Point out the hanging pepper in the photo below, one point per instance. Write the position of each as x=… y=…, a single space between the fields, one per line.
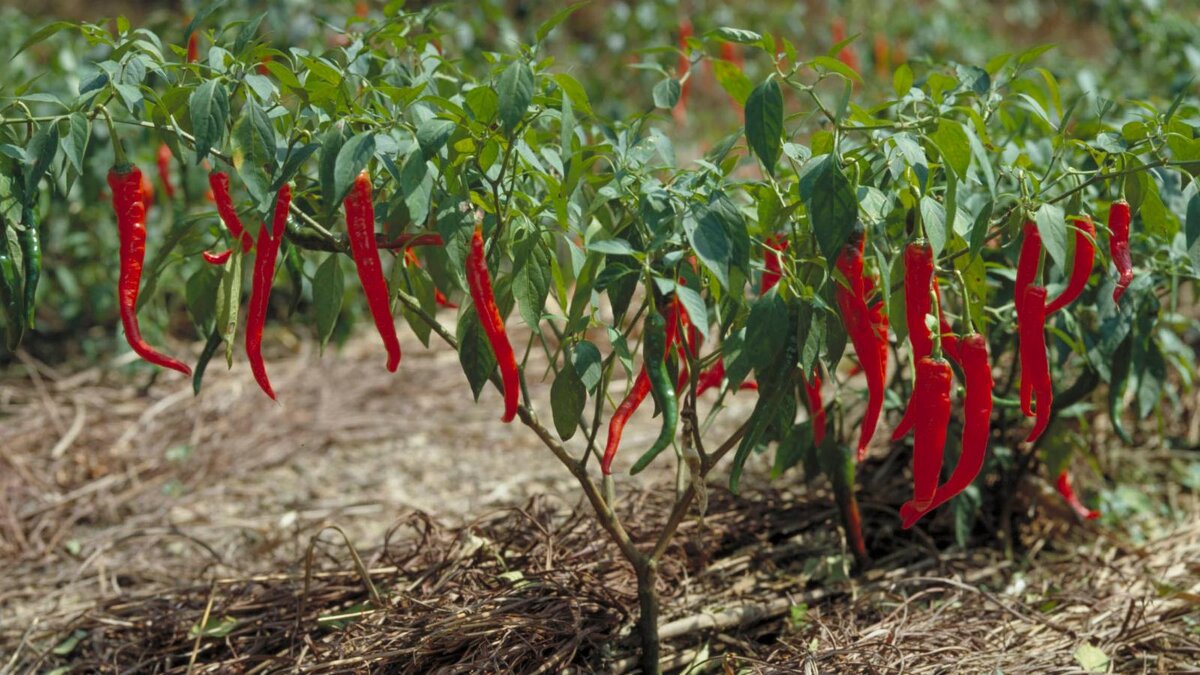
x=816 y=410
x=218 y=182
x=864 y=335
x=480 y=284
x=714 y=375
x=654 y=361
x=164 y=170
x=637 y=394
x=31 y=258
x=10 y=291
x=773 y=269
x=1068 y=493
x=1119 y=218
x=1081 y=268
x=1036 y=387
x=918 y=280
x=360 y=222
x=931 y=395
x=269 y=241
x=193 y=47
x=977 y=414
x=125 y=182
x=217 y=259
x=1027 y=263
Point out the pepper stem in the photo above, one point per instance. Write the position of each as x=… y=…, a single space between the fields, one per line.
x=966 y=298
x=118 y=150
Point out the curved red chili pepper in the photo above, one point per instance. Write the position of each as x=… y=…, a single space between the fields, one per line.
x=712 y=378
x=360 y=222
x=931 y=395
x=1064 y=488
x=128 y=199
x=977 y=414
x=480 y=283
x=163 y=161
x=1036 y=388
x=193 y=47
x=1081 y=268
x=1119 y=218
x=918 y=303
x=641 y=389
x=218 y=182
x=864 y=335
x=269 y=241
x=217 y=258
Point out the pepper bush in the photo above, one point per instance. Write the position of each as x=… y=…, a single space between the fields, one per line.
x=591 y=225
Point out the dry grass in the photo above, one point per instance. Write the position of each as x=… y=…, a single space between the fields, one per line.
x=142 y=531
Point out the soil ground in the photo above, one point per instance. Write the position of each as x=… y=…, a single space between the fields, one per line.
x=144 y=530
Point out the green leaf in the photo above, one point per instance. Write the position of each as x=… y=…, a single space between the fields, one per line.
x=951 y=140
x=574 y=91
x=530 y=286
x=328 y=290
x=352 y=158
x=254 y=138
x=767 y=330
x=433 y=134
x=201 y=296
x=933 y=217
x=1052 y=226
x=693 y=304
x=474 y=353
x=209 y=107
x=979 y=229
x=567 y=399
x=42 y=33
x=76 y=142
x=39 y=155
x=834 y=65
x=331 y=145
x=710 y=241
x=558 y=17
x=764 y=122
x=666 y=93
x=515 y=90
x=832 y=206
x=902 y=80
x=229 y=294
x=588 y=363
x=215 y=627
x=732 y=80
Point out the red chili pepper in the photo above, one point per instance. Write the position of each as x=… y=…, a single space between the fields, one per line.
x=1036 y=386
x=864 y=335
x=816 y=410
x=1064 y=488
x=164 y=169
x=977 y=414
x=713 y=377
x=918 y=280
x=1027 y=263
x=129 y=205
x=882 y=65
x=931 y=395
x=1081 y=268
x=147 y=191
x=480 y=284
x=217 y=258
x=269 y=241
x=847 y=55
x=360 y=222
x=262 y=65
x=1119 y=218
x=193 y=47
x=641 y=389
x=773 y=269
x=218 y=182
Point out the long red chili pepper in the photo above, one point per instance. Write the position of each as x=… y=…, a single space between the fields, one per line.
x=863 y=333
x=637 y=394
x=1068 y=493
x=480 y=283
x=130 y=208
x=218 y=182
x=1036 y=387
x=269 y=240
x=163 y=161
x=918 y=277
x=931 y=395
x=1119 y=218
x=1081 y=268
x=193 y=47
x=1027 y=263
x=360 y=222
x=977 y=414
x=772 y=268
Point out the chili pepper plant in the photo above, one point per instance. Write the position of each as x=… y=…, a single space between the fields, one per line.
x=931 y=219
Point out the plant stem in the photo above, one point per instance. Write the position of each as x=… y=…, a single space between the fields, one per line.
x=647 y=575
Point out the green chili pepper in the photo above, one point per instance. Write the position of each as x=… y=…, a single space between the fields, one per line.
x=10 y=292
x=661 y=386
x=31 y=253
x=210 y=349
x=838 y=462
